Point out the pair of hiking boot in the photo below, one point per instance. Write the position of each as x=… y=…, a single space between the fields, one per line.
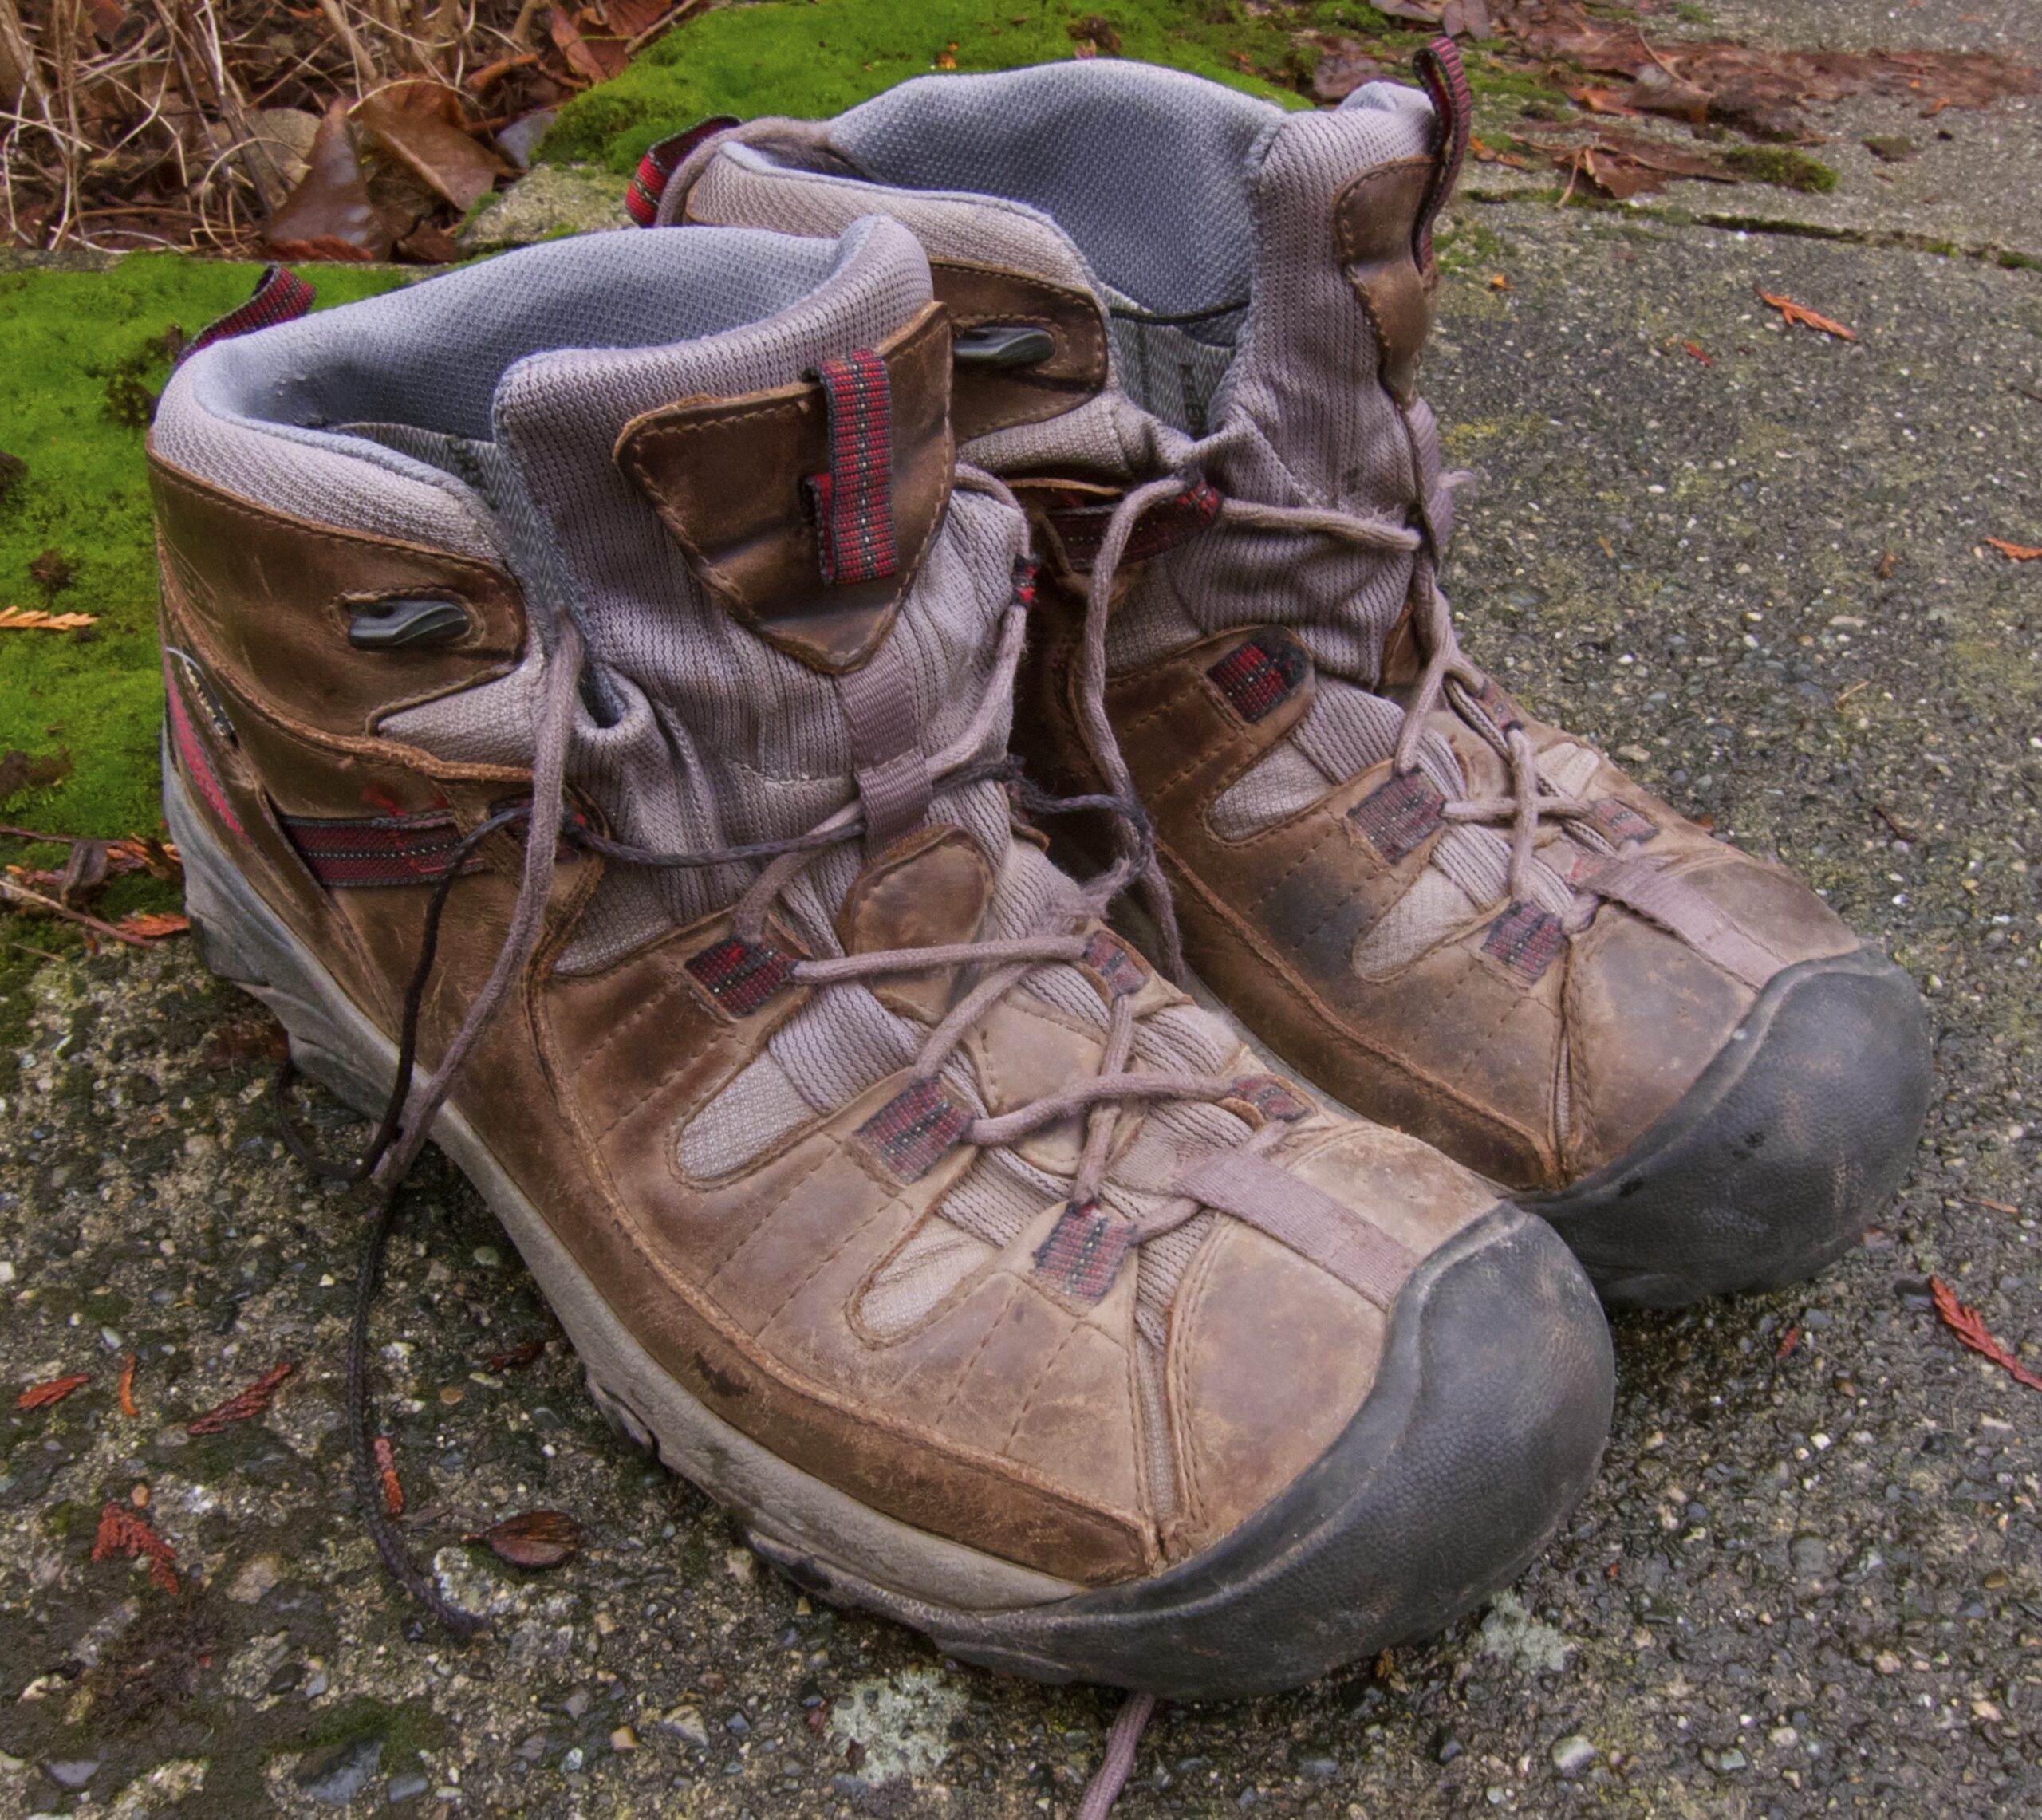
x=591 y=676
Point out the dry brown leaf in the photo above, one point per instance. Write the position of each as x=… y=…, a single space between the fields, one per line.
x=419 y=124
x=515 y=1358
x=1694 y=347
x=1488 y=155
x=592 y=50
x=55 y=1390
x=1344 y=65
x=243 y=1403
x=1602 y=101
x=328 y=215
x=1970 y=1330
x=1465 y=19
x=127 y=1390
x=122 y=1532
x=386 y=1471
x=148 y=924
x=36 y=619
x=537 y=1539
x=1799 y=316
x=2016 y=552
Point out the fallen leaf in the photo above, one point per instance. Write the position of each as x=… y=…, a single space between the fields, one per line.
x=145 y=853
x=590 y=50
x=538 y=1538
x=1789 y=1341
x=243 y=1403
x=1097 y=31
x=1994 y=1206
x=122 y=1532
x=1887 y=563
x=237 y=1044
x=55 y=1390
x=1344 y=65
x=2016 y=552
x=631 y=19
x=1418 y=12
x=1969 y=1328
x=328 y=215
x=36 y=619
x=1602 y=101
x=19 y=772
x=127 y=1390
x=85 y=871
x=1670 y=99
x=1694 y=348
x=1484 y=154
x=1798 y=316
x=946 y=58
x=1498 y=282
x=148 y=924
x=419 y=124
x=514 y=1358
x=52 y=571
x=386 y=1469
x=1465 y=19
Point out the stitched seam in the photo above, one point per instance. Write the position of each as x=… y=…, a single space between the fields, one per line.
x=646 y=1005
x=1042 y=1377
x=1329 y=833
x=970 y=1366
x=495 y=579
x=772 y=1218
x=1334 y=1029
x=1191 y=1299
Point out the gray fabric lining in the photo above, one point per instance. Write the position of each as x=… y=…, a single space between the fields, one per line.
x=1148 y=170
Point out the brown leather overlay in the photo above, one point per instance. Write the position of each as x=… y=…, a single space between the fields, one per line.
x=987 y=399
x=274 y=595
x=725 y=476
x=1372 y=221
x=927 y=889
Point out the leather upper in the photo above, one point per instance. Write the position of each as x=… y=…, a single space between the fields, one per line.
x=1012 y=1415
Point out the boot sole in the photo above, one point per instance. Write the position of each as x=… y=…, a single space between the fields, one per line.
x=1481 y=1433
x=1772 y=1163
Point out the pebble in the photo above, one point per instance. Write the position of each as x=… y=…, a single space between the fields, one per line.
x=337 y=1777
x=73 y=1774
x=256 y=1580
x=686 y=1723
x=1572 y=1754
x=407 y=1787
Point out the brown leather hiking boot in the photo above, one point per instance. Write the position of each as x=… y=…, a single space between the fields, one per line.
x=1190 y=329
x=591 y=671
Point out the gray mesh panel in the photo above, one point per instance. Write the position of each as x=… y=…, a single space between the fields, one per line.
x=1148 y=170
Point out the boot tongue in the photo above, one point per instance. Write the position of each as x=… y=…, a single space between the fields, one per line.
x=673 y=501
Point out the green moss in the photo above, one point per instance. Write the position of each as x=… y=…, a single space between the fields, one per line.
x=86 y=353
x=810 y=58
x=1780 y=165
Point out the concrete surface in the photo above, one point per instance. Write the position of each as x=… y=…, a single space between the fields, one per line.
x=1807 y=1581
